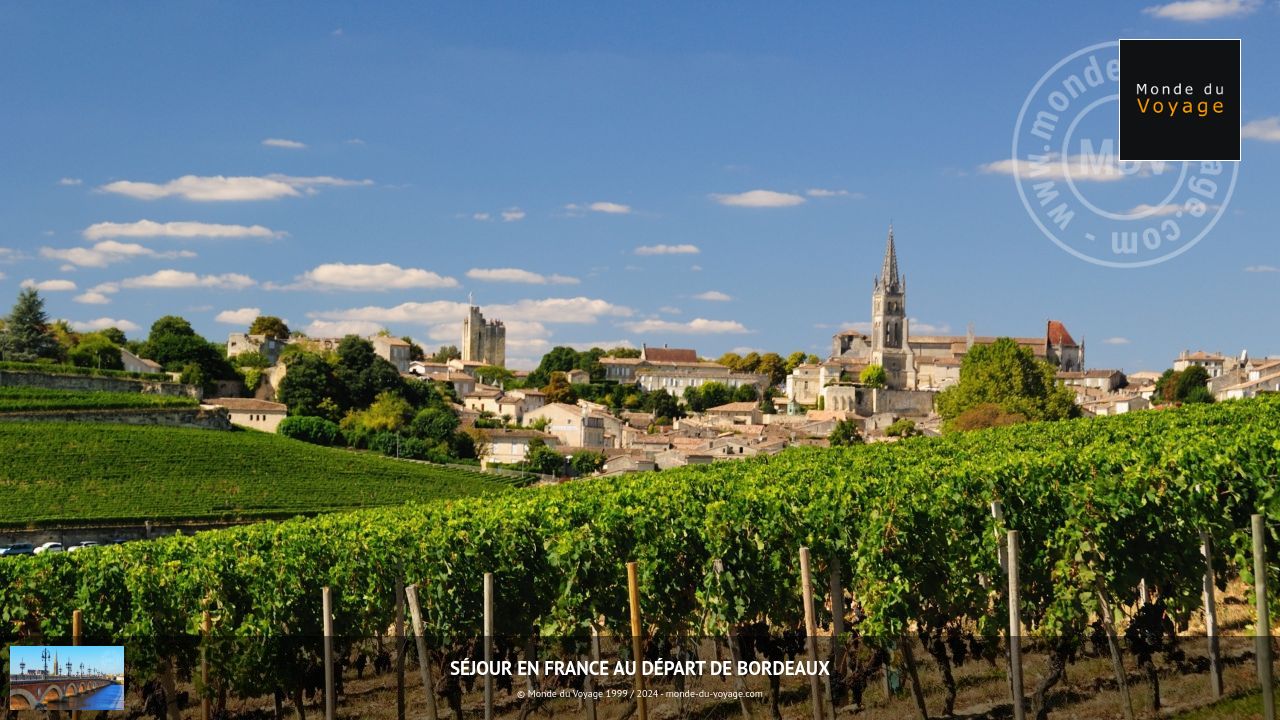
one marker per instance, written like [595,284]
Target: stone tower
[889,347]
[483,340]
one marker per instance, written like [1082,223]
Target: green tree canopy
[873,376]
[95,350]
[1010,377]
[310,387]
[363,373]
[27,335]
[845,433]
[558,390]
[269,325]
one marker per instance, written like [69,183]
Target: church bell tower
[889,348]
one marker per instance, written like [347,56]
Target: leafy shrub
[315,430]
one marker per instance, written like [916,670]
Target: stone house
[510,447]
[133,363]
[247,412]
[393,350]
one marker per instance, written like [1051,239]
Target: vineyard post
[1264,618]
[739,684]
[811,633]
[909,659]
[1002,556]
[1211,615]
[1117,664]
[488,646]
[637,642]
[837,625]
[1015,628]
[590,680]
[326,605]
[400,647]
[77,632]
[206,626]
[424,663]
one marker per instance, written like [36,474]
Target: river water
[110,697]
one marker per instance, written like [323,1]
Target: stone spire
[889,279]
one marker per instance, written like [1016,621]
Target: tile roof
[247,404]
[664,354]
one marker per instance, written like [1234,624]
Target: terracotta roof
[734,407]
[1058,334]
[247,404]
[663,354]
[506,433]
[1201,355]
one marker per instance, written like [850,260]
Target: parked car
[82,545]
[50,547]
[18,549]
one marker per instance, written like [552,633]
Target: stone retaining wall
[90,383]
[204,417]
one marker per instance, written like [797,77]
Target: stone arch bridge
[31,693]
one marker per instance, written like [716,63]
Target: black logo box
[1186,68]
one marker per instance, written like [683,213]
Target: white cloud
[354,141]
[107,252]
[92,297]
[384,276]
[283,143]
[341,328]
[512,214]
[70,181]
[667,250]
[1116,341]
[575,310]
[180,279]
[697,326]
[243,316]
[49,285]
[1262,269]
[1080,168]
[668,309]
[9,255]
[103,323]
[758,199]
[713,296]
[219,188]
[603,344]
[610,207]
[1267,129]
[1197,10]
[825,193]
[150,228]
[516,275]
[2,276]
[481,216]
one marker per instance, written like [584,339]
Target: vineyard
[26,399]
[64,473]
[1102,506]
[76,370]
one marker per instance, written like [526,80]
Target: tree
[1193,385]
[388,413]
[745,393]
[493,375]
[311,388]
[269,325]
[96,351]
[1010,377]
[902,427]
[175,345]
[558,390]
[766,402]
[845,433]
[709,395]
[543,460]
[795,360]
[27,336]
[586,462]
[434,423]
[445,354]
[986,415]
[115,335]
[363,373]
[416,353]
[873,376]
[664,405]
[774,366]
[66,336]
[314,430]
[560,359]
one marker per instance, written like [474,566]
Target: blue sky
[353,166]
[107,659]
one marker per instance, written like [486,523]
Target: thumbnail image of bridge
[34,692]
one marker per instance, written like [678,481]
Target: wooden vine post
[1211,616]
[424,662]
[77,634]
[836,594]
[637,641]
[1113,643]
[1263,630]
[400,648]
[811,633]
[1015,627]
[330,700]
[488,646]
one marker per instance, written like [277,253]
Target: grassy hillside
[22,399]
[53,473]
